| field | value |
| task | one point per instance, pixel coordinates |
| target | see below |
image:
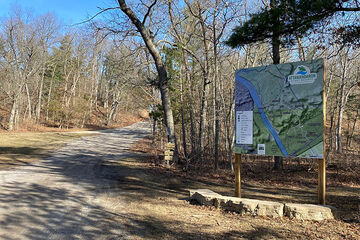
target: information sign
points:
(279, 109)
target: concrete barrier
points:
(254, 207)
(204, 196)
(308, 211)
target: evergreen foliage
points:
(292, 19)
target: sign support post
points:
(322, 181)
(169, 153)
(321, 162)
(237, 175)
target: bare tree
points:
(151, 45)
(22, 55)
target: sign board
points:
(279, 109)
(169, 152)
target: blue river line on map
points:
(255, 96)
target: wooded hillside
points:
(65, 77)
(171, 57)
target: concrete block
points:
(254, 207)
(248, 206)
(270, 209)
(231, 204)
(204, 196)
(308, 211)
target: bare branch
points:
(148, 11)
(97, 14)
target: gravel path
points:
(72, 194)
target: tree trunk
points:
(203, 118)
(49, 95)
(338, 144)
(12, 115)
(38, 110)
(215, 100)
(111, 115)
(183, 112)
(190, 105)
(205, 90)
(28, 101)
(106, 98)
(352, 131)
(342, 101)
(301, 51)
(275, 36)
(17, 116)
(160, 67)
(216, 110)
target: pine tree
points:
(292, 19)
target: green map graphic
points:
(279, 109)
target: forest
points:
(174, 59)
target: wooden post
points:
(169, 153)
(322, 181)
(237, 175)
(321, 162)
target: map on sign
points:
(279, 109)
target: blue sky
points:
(67, 11)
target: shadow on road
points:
(54, 212)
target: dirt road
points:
(96, 188)
(71, 194)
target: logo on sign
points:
(302, 75)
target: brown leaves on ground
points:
(174, 218)
(96, 123)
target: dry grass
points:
(156, 208)
(22, 148)
(159, 206)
